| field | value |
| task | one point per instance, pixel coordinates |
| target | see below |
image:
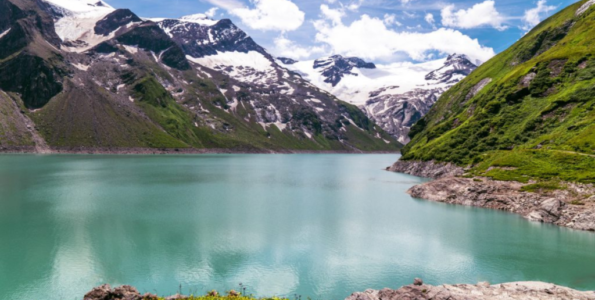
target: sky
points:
(380, 31)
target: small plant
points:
(213, 293)
(577, 202)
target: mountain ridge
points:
(394, 96)
(113, 80)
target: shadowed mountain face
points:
(87, 75)
(336, 67)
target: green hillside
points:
(535, 118)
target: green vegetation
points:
(543, 187)
(534, 120)
(226, 297)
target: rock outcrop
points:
(428, 169)
(571, 207)
(126, 292)
(481, 291)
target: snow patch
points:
(281, 126)
(585, 7)
(81, 67)
(4, 33)
(251, 59)
(400, 77)
(82, 6)
(78, 23)
(131, 49)
(201, 19)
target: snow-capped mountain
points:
(94, 76)
(334, 68)
(395, 96)
(276, 95)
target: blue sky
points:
(382, 31)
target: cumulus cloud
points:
(274, 15)
(480, 15)
(355, 40)
(285, 47)
(334, 15)
(533, 16)
(430, 19)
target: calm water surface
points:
(321, 226)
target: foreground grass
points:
(227, 297)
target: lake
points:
(319, 226)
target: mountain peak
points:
(456, 67)
(456, 56)
(335, 67)
(200, 19)
(82, 6)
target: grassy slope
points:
(13, 130)
(545, 130)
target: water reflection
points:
(317, 225)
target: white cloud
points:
(287, 48)
(334, 15)
(481, 14)
(275, 15)
(391, 19)
(532, 16)
(356, 38)
(227, 4)
(430, 19)
(211, 12)
(354, 6)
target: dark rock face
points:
(150, 37)
(35, 79)
(115, 20)
(287, 61)
(336, 67)
(198, 40)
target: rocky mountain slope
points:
(78, 75)
(394, 96)
(527, 114)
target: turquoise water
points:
(321, 226)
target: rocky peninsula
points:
(571, 206)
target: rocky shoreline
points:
(572, 207)
(480, 291)
(418, 291)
